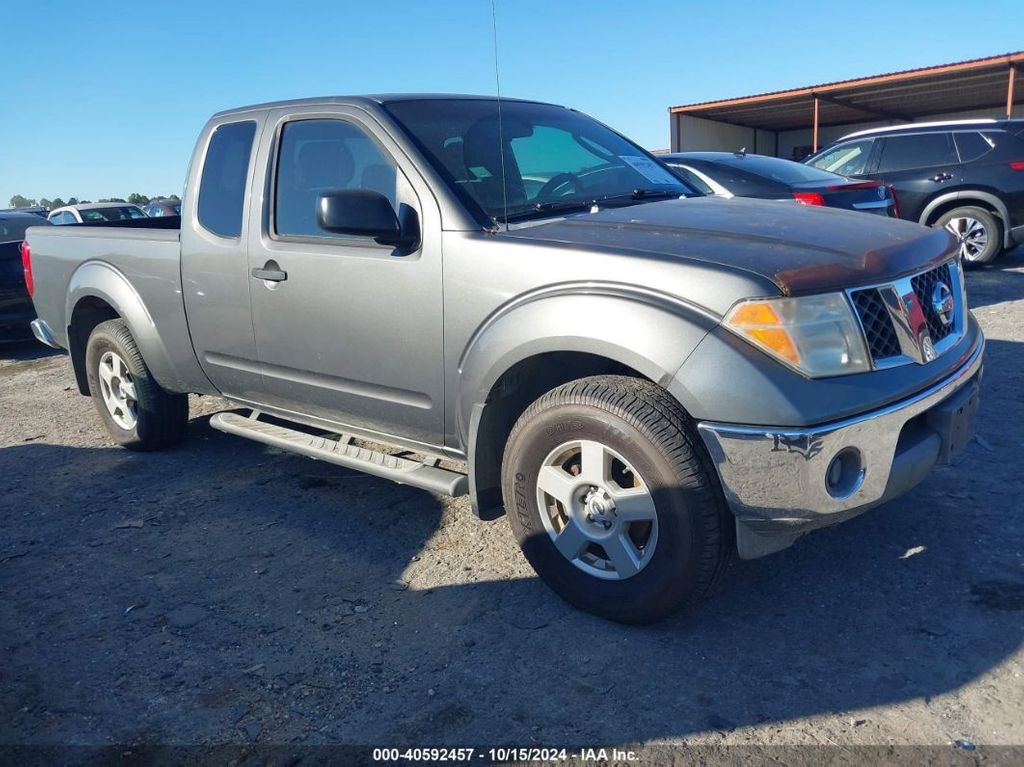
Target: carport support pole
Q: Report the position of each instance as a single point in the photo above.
(814, 140)
(1009, 92)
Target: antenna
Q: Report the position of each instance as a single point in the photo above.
(501, 137)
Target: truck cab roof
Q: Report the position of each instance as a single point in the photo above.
(365, 100)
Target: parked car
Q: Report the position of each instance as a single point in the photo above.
(37, 211)
(95, 212)
(738, 174)
(16, 311)
(159, 208)
(645, 381)
(965, 175)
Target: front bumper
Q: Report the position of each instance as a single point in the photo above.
(783, 482)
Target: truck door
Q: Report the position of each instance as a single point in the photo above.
(347, 329)
(214, 273)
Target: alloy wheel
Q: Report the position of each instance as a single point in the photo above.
(118, 390)
(972, 235)
(598, 511)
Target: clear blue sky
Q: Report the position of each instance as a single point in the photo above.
(103, 99)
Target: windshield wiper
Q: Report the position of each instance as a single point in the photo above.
(541, 209)
(641, 194)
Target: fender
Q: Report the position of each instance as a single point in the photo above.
(646, 330)
(166, 348)
(972, 194)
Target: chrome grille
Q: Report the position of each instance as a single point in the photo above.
(923, 285)
(878, 328)
(899, 321)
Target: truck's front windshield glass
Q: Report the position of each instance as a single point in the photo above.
(550, 158)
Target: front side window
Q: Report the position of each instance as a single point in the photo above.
(225, 172)
(317, 156)
(849, 159)
(922, 150)
(528, 157)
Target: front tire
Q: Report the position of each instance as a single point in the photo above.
(979, 232)
(136, 411)
(612, 501)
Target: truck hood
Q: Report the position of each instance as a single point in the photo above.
(800, 248)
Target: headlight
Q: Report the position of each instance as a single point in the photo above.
(816, 335)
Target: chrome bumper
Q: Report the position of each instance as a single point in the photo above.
(43, 334)
(775, 479)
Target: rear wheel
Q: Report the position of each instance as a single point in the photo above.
(979, 232)
(136, 411)
(612, 501)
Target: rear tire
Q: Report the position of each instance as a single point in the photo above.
(136, 411)
(649, 533)
(980, 233)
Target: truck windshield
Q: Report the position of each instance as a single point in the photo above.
(551, 158)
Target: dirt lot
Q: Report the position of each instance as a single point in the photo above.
(222, 592)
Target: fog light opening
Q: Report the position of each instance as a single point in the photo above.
(845, 473)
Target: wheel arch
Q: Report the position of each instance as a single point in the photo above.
(97, 291)
(961, 197)
(543, 344)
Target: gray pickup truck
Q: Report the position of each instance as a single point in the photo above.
(511, 300)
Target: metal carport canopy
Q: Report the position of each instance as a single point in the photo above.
(907, 95)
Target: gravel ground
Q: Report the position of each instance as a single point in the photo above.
(226, 593)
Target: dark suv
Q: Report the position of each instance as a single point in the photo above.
(967, 176)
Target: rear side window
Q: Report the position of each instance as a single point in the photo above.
(921, 150)
(225, 172)
(971, 145)
(692, 179)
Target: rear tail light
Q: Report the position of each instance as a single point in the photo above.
(1019, 165)
(808, 198)
(26, 266)
(895, 200)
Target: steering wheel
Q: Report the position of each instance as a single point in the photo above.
(555, 183)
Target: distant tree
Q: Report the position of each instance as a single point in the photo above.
(44, 203)
(84, 202)
(174, 197)
(111, 199)
(18, 201)
(56, 202)
(72, 201)
(138, 199)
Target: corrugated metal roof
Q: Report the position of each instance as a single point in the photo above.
(904, 95)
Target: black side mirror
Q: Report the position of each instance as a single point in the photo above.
(363, 213)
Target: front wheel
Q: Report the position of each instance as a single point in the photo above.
(979, 233)
(612, 501)
(136, 411)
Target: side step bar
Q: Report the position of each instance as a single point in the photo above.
(344, 453)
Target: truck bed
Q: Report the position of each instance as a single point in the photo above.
(135, 265)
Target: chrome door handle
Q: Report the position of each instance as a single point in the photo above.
(938, 177)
